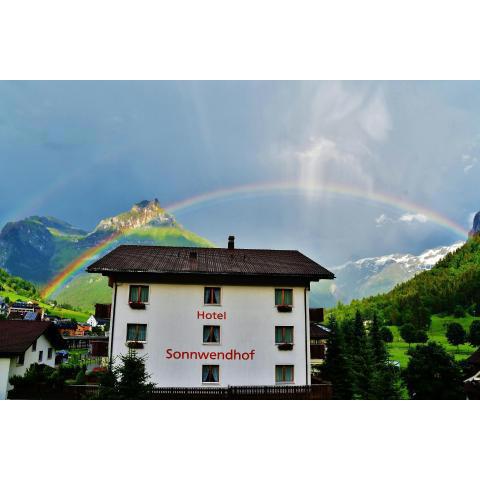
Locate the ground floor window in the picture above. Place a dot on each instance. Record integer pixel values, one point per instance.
(210, 373)
(284, 373)
(50, 353)
(211, 334)
(283, 335)
(136, 332)
(138, 294)
(40, 356)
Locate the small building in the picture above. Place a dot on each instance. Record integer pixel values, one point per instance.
(23, 344)
(66, 327)
(24, 307)
(213, 316)
(472, 384)
(3, 307)
(92, 321)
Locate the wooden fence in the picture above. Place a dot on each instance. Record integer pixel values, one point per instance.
(277, 392)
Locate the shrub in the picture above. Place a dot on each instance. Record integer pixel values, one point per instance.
(386, 334)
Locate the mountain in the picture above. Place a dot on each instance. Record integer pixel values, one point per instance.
(371, 276)
(476, 225)
(38, 248)
(451, 286)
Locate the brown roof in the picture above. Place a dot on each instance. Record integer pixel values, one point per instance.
(17, 335)
(319, 331)
(155, 259)
(474, 358)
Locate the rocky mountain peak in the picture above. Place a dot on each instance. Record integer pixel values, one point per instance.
(142, 214)
(476, 225)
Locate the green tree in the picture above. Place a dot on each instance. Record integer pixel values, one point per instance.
(337, 367)
(408, 333)
(474, 333)
(456, 334)
(377, 345)
(433, 374)
(421, 336)
(132, 377)
(384, 383)
(386, 334)
(361, 358)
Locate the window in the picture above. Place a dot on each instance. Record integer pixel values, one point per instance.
(50, 353)
(138, 294)
(210, 373)
(136, 332)
(211, 296)
(40, 356)
(211, 334)
(284, 373)
(283, 334)
(34, 346)
(283, 296)
(21, 359)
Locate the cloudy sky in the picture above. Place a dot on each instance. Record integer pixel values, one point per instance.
(81, 151)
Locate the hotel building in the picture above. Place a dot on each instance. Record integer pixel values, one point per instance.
(212, 316)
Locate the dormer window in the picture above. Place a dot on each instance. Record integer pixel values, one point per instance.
(211, 296)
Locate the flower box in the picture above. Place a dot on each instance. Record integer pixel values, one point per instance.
(285, 346)
(137, 305)
(135, 345)
(284, 308)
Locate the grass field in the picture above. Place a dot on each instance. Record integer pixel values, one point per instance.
(398, 348)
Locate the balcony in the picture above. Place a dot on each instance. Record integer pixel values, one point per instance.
(317, 352)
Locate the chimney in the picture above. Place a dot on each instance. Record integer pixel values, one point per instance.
(231, 242)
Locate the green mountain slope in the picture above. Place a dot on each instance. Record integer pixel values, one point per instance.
(15, 288)
(452, 285)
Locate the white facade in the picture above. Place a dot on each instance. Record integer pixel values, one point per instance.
(10, 367)
(173, 316)
(92, 321)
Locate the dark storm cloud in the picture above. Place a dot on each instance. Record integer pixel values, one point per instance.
(84, 150)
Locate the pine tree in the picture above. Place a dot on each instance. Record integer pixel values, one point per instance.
(385, 384)
(361, 357)
(337, 368)
(133, 377)
(127, 381)
(377, 344)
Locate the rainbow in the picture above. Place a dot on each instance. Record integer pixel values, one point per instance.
(256, 190)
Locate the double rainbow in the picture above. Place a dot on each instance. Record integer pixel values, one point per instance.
(257, 190)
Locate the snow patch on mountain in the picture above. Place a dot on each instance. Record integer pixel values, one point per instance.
(412, 263)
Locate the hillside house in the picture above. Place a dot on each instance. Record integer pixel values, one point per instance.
(18, 310)
(212, 316)
(23, 344)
